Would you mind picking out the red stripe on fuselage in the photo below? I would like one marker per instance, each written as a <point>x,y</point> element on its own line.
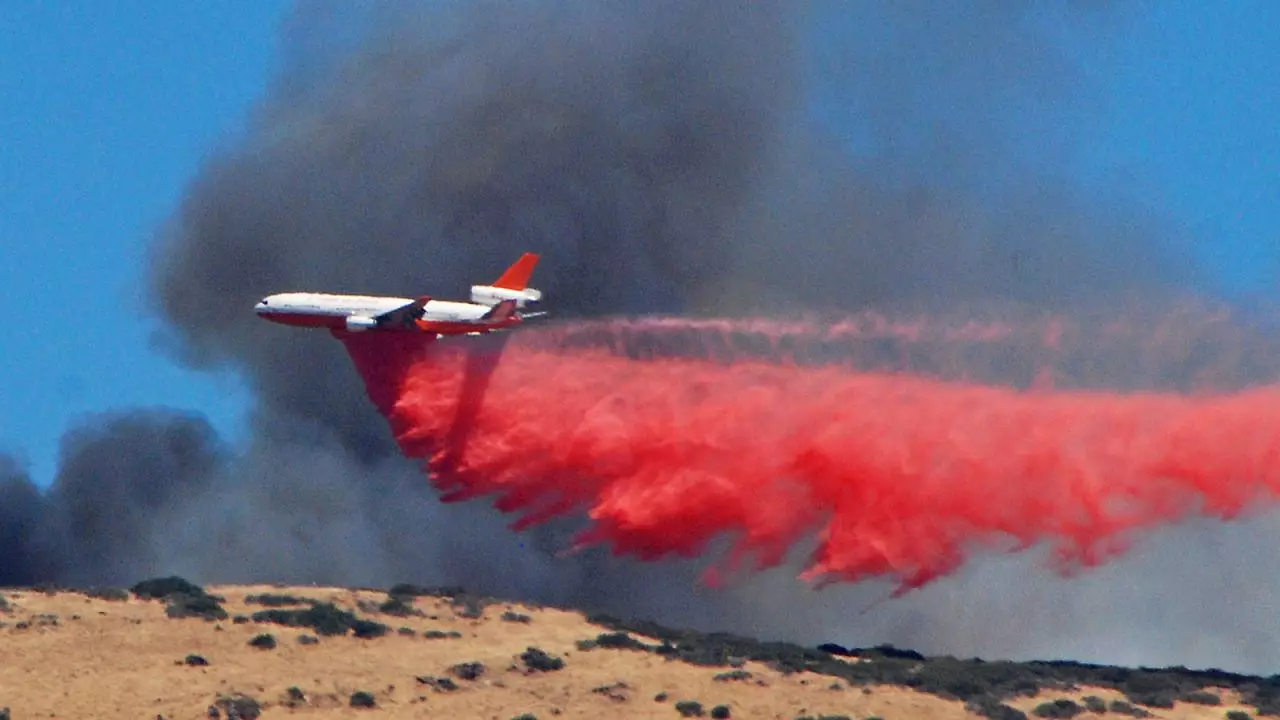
<point>305,320</point>
<point>462,328</point>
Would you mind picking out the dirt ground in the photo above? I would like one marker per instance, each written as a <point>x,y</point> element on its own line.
<point>69,656</point>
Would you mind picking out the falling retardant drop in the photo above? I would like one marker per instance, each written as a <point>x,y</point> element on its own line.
<point>897,475</point>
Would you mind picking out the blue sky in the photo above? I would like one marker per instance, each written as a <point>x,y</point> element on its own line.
<point>108,109</point>
<point>1197,118</point>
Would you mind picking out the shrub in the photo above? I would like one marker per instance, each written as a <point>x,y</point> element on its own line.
<point>277,600</point>
<point>239,707</point>
<point>108,594</point>
<point>539,661</point>
<point>160,588</point>
<point>1201,697</point>
<point>1060,708</point>
<point>467,670</point>
<point>186,605</point>
<point>263,641</point>
<point>325,619</point>
<point>689,708</point>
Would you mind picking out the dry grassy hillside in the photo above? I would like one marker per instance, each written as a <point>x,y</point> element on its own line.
<point>168,649</point>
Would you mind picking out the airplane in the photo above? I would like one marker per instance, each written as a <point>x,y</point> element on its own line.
<point>494,307</point>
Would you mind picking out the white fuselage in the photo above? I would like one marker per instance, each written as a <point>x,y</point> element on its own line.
<point>285,306</point>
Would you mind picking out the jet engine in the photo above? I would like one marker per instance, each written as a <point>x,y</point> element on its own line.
<point>490,295</point>
<point>356,323</point>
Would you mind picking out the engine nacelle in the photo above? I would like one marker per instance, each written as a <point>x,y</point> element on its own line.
<point>356,323</point>
<point>490,295</point>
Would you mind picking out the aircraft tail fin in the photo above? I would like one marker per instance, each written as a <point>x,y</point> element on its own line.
<point>517,276</point>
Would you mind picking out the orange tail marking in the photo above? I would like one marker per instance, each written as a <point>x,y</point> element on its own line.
<point>517,276</point>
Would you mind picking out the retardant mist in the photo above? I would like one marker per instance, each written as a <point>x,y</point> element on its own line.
<point>899,475</point>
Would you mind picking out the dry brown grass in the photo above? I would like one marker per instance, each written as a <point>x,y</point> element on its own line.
<point>125,659</point>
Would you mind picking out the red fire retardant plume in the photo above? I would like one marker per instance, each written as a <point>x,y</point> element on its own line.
<point>897,476</point>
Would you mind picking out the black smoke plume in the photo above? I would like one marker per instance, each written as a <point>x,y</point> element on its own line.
<point>22,516</point>
<point>663,157</point>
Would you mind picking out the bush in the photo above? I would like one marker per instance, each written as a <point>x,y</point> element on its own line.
<point>467,671</point>
<point>294,697</point>
<point>186,605</point>
<point>160,588</point>
<point>185,599</point>
<point>894,653</point>
<point>618,641</point>
<point>539,661</point>
<point>264,641</point>
<point>690,708</point>
<point>720,712</point>
<point>108,594</point>
<point>196,661</point>
<point>410,590</point>
<point>362,699</point>
<point>325,619</point>
<point>515,617</point>
<point>1163,699</point>
<point>239,707</point>
<point>1120,707</point>
<point>396,605</point>
<point>1200,697</point>
<point>1060,708</point>
<point>277,600</point>
<point>991,707</point>
<point>442,684</point>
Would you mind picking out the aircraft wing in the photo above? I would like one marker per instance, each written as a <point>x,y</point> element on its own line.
<point>404,315</point>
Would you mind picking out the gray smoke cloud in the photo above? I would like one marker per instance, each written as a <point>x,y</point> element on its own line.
<point>121,476</point>
<point>663,157</point>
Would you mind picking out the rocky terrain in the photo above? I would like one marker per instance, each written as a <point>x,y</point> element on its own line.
<point>166,648</point>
